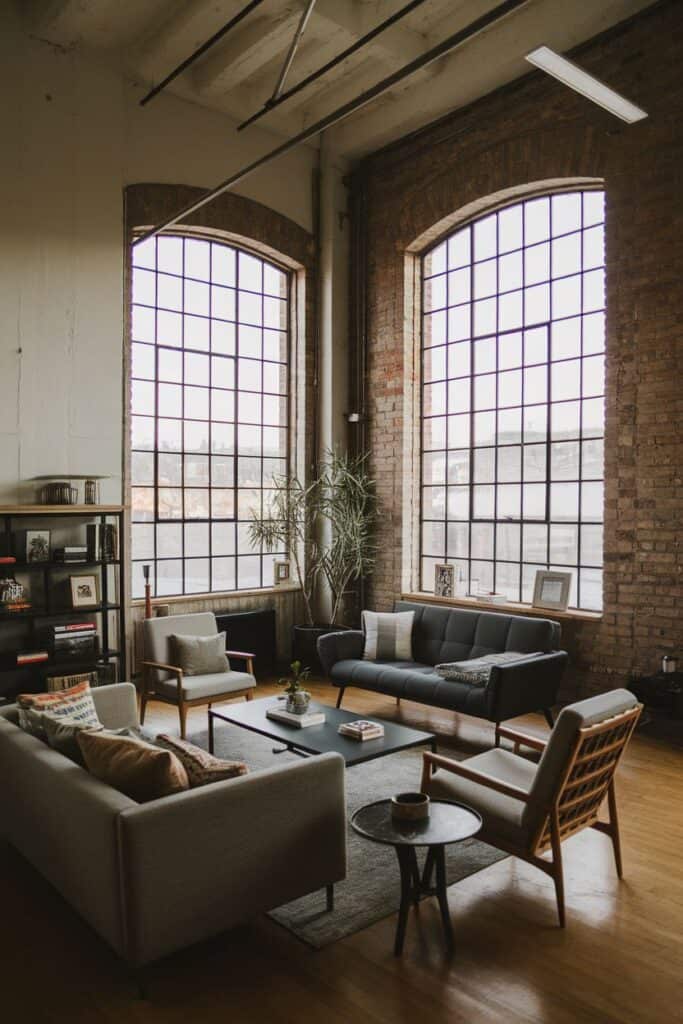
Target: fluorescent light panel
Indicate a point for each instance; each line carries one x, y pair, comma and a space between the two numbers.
579, 80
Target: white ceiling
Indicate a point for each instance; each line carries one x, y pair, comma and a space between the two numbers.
149, 38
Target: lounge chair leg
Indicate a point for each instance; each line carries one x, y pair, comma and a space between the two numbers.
341, 694
182, 715
558, 876
398, 702
248, 695
143, 709
549, 717
614, 828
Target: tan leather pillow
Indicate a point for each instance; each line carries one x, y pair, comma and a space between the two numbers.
138, 769
201, 766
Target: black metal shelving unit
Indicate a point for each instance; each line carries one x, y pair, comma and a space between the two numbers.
46, 581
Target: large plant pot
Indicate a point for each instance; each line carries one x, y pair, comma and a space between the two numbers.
305, 644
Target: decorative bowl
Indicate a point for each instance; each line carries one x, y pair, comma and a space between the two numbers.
410, 806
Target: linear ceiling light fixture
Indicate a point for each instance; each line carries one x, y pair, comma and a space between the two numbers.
579, 80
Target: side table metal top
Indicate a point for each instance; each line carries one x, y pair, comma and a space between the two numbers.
448, 822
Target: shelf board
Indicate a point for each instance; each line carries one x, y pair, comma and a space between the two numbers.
60, 510
68, 666
56, 614
37, 566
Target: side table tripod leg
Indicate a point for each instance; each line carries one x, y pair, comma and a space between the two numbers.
441, 893
406, 867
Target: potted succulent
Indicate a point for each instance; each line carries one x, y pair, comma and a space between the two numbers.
298, 698
327, 528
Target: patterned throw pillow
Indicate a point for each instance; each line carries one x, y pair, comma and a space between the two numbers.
62, 735
476, 671
388, 636
75, 703
199, 655
201, 767
138, 769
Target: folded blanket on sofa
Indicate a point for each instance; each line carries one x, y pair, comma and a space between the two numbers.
476, 671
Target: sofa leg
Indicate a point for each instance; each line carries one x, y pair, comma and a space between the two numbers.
341, 694
549, 717
497, 734
329, 898
398, 702
182, 715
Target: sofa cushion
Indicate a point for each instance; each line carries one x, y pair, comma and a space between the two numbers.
199, 655
141, 771
387, 635
411, 681
201, 766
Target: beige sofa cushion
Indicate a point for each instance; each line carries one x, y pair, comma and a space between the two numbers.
201, 767
140, 770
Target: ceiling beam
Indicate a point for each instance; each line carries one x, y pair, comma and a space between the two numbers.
354, 20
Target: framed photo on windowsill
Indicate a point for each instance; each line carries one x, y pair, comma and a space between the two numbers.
551, 590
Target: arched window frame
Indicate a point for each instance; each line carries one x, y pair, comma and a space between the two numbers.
586, 575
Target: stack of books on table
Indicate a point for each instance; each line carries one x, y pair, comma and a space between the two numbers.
361, 729
299, 721
73, 641
71, 555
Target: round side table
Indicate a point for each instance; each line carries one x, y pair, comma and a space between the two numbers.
448, 822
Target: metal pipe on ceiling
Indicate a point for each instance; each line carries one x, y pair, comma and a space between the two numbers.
301, 28
276, 100
440, 50
201, 50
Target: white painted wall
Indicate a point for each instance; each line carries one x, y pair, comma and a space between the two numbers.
73, 136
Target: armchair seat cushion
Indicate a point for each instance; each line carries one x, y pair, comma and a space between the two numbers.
202, 687
502, 815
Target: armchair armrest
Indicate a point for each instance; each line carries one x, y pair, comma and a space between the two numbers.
522, 739
431, 761
174, 669
523, 686
334, 647
166, 668
243, 656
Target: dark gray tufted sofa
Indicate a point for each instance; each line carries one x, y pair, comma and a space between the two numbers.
456, 634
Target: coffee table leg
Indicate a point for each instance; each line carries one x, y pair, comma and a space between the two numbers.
406, 865
210, 732
441, 892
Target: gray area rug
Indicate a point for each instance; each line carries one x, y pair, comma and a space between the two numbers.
371, 889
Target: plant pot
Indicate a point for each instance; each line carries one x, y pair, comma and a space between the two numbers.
305, 644
297, 703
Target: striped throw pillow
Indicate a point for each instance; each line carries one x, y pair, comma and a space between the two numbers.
388, 636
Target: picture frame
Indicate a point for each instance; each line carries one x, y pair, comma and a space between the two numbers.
281, 574
444, 580
551, 590
84, 591
37, 546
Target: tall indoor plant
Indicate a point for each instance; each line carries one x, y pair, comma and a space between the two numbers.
327, 529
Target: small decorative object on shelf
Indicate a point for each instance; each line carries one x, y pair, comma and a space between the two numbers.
90, 492
281, 573
148, 592
11, 591
444, 580
37, 545
84, 592
410, 807
60, 492
551, 590
298, 698
669, 664
361, 729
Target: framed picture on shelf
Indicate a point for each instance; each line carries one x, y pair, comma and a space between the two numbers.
551, 590
37, 545
444, 580
280, 573
84, 591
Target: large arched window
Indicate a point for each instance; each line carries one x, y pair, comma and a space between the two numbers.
513, 399
209, 416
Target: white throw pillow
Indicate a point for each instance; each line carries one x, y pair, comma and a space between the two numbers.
388, 636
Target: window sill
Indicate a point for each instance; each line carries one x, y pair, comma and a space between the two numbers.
139, 602
511, 606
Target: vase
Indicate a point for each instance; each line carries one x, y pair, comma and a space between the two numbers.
297, 703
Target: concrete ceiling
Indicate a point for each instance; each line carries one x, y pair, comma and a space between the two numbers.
148, 38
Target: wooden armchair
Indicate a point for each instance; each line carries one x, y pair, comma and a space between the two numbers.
529, 808
164, 681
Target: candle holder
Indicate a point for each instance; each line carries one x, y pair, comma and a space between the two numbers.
148, 592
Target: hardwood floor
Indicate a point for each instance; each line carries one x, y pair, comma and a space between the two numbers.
619, 960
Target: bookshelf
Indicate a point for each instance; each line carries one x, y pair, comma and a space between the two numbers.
29, 624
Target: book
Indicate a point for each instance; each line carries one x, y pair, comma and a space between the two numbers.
361, 729
102, 542
300, 721
7, 560
32, 657
56, 683
74, 627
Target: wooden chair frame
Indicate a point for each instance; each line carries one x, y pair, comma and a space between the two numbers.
586, 780
150, 693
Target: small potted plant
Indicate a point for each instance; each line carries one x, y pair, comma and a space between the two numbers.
298, 698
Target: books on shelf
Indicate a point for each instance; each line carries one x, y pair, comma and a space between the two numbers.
56, 683
71, 554
102, 542
299, 721
32, 657
74, 627
361, 729
7, 560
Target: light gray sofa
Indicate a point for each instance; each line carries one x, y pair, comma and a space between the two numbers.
443, 634
258, 841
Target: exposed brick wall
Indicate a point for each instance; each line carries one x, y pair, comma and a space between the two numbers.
538, 131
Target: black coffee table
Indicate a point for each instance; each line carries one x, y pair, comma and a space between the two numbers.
319, 739
448, 822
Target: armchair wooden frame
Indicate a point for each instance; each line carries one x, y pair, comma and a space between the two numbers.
149, 692
585, 781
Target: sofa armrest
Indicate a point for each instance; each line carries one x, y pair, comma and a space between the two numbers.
258, 841
334, 647
116, 705
523, 686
